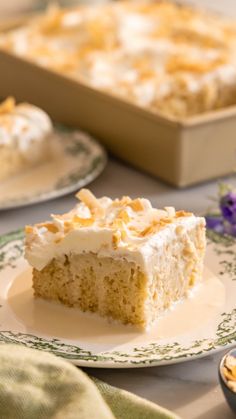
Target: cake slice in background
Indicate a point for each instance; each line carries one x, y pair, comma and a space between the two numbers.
122, 258
24, 137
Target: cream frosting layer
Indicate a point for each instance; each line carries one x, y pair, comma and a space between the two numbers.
170, 58
24, 126
120, 228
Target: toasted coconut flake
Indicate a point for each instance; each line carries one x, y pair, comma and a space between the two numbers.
155, 226
124, 216
182, 213
51, 227
29, 229
134, 230
170, 211
230, 367
8, 105
228, 375
58, 217
229, 371
136, 205
117, 224
165, 221
67, 224
123, 202
160, 214
116, 238
230, 362
178, 63
87, 197
91, 202
146, 231
84, 222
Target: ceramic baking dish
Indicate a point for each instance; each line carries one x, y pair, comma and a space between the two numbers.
181, 152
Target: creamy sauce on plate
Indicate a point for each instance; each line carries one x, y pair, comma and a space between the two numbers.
52, 319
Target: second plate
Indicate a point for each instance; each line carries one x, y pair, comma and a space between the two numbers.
78, 159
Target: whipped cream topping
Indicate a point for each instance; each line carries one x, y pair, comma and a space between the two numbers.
23, 126
168, 58
120, 228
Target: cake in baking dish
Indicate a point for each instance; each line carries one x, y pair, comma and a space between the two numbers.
171, 59
122, 258
24, 137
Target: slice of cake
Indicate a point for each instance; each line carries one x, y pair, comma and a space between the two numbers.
24, 137
122, 259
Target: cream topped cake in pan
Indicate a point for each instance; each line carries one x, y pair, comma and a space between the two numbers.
122, 258
24, 137
166, 57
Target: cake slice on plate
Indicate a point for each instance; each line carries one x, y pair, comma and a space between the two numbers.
24, 137
122, 258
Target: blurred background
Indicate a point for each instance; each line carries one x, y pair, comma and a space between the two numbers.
11, 7
14, 7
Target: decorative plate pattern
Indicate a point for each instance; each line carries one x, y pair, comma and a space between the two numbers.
77, 160
221, 259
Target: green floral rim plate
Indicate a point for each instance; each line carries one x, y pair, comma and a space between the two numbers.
77, 160
99, 344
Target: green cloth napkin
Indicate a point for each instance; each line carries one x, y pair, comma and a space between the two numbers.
38, 385
125, 405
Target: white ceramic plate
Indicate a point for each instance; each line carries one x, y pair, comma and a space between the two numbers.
203, 324
78, 159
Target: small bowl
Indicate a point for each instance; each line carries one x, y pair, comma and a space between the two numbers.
229, 394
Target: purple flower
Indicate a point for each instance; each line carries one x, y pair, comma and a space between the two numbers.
228, 207
215, 222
